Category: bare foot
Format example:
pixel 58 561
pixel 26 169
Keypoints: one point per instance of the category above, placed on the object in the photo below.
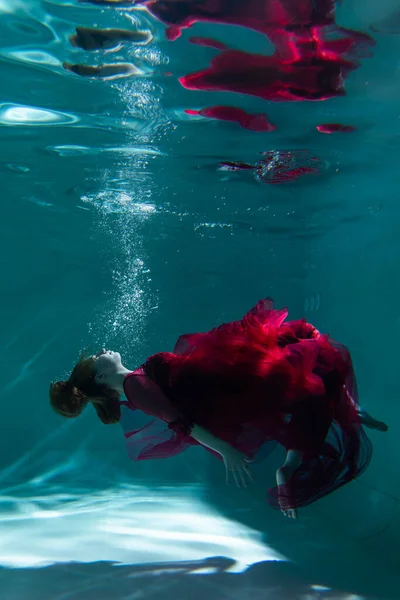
pixel 291 513
pixel 283 476
pixel 379 426
pixel 372 423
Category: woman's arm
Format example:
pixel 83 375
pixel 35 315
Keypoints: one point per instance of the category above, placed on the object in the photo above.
pixel 145 395
pixel 209 440
pixel 236 463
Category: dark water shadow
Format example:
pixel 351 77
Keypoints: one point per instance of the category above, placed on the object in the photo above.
pixel 323 553
pixel 194 580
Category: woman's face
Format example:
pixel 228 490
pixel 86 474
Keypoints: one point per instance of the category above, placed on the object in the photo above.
pixel 106 364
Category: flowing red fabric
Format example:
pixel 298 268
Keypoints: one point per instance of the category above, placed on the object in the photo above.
pixel 254 382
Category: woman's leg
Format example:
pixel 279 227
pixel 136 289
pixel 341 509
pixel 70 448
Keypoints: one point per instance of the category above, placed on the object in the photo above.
pixel 283 476
pixel 366 419
pixel 370 422
pixel 307 429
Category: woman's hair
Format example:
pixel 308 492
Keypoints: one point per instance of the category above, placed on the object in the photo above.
pixel 69 398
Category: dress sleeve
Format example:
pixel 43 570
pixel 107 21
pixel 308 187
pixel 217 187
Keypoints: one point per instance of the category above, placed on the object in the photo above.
pixel 145 395
pixel 165 434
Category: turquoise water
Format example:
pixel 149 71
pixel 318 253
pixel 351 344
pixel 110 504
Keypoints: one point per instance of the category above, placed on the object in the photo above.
pixel 118 229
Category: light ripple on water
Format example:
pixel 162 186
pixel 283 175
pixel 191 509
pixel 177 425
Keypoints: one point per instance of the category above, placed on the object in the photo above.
pixel 130 524
pixel 19 114
pixel 72 150
pixel 33 56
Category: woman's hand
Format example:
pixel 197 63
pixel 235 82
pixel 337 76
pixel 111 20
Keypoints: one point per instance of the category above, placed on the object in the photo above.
pixel 236 465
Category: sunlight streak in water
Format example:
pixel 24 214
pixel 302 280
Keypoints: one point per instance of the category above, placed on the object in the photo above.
pixel 130 525
pixel 10 6
pixel 14 114
pixel 27 369
pixel 74 150
pixel 38 57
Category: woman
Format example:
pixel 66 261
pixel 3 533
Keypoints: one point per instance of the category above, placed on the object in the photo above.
pixel 234 389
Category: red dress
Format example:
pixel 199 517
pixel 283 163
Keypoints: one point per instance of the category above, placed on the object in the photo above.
pixel 253 382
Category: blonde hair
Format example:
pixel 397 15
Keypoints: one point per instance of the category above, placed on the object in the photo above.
pixel 69 398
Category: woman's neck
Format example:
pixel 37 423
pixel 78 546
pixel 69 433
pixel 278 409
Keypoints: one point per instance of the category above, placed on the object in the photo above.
pixel 116 381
